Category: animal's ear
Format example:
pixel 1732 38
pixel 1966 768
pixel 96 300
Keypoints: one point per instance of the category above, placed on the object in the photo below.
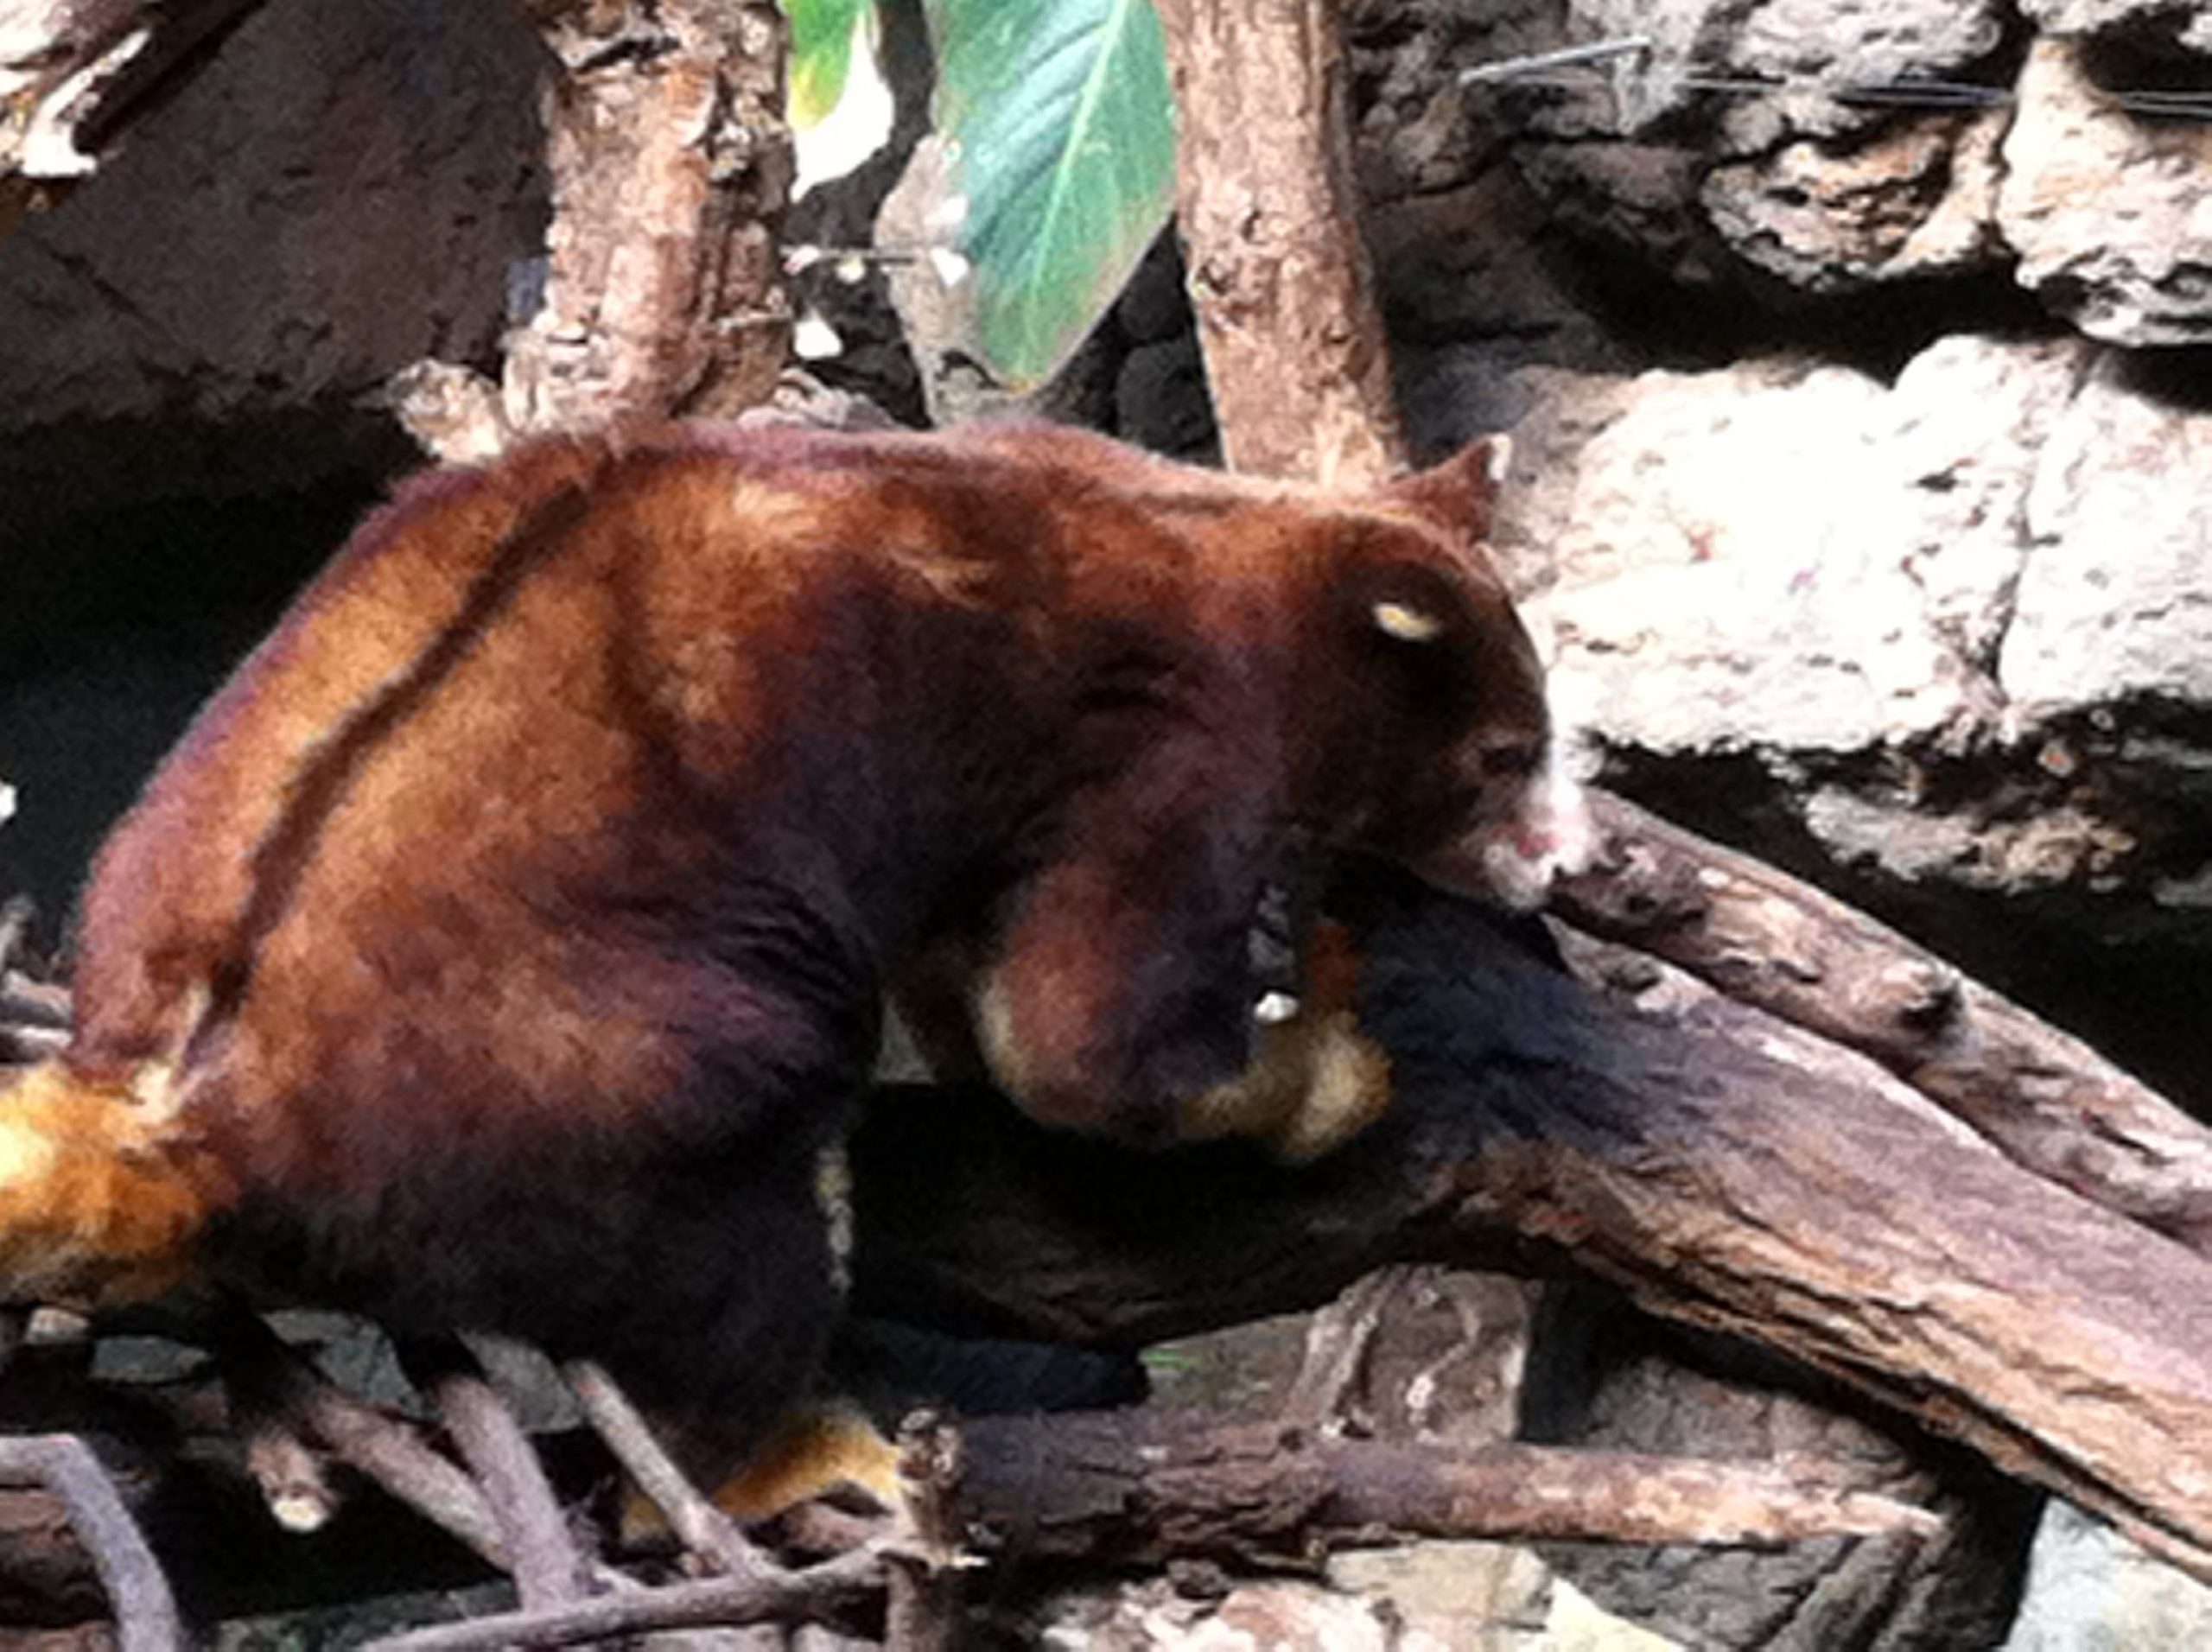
pixel 1405 602
pixel 1457 495
pixel 1406 622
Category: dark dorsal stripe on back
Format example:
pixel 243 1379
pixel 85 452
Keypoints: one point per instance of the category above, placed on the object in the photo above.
pixel 281 858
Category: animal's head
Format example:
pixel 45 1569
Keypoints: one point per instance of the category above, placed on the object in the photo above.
pixel 1426 736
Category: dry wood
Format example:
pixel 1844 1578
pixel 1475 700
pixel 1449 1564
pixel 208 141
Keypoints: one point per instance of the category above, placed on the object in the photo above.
pixel 671 166
pixel 73 74
pixel 1142 1487
pixel 18 915
pixel 26 1002
pixel 1279 279
pixel 834 1591
pixel 145 1612
pixel 1765 939
pixel 272 1385
pixel 547 1568
pixel 292 1476
pixel 1831 1214
pixel 698 1525
pixel 922 1567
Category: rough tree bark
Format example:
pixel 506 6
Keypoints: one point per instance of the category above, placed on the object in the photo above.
pixel 2044 1099
pixel 663 290
pixel 1279 278
pixel 671 167
pixel 1724 1170
pixel 1150 1489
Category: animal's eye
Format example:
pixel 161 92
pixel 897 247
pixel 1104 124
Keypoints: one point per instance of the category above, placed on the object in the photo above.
pixel 1515 762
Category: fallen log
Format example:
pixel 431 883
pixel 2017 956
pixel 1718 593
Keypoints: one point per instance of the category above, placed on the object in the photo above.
pixel 1142 1487
pixel 1827 1211
pixel 1765 939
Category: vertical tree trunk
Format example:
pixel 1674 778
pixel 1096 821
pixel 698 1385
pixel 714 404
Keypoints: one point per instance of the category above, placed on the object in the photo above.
pixel 671 167
pixel 1284 292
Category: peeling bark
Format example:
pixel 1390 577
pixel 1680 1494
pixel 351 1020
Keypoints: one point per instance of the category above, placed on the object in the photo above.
pixel 671 166
pixel 1828 1212
pixel 1281 284
pixel 1142 1488
pixel 1764 938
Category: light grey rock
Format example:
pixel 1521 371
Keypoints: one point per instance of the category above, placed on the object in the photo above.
pixel 1801 559
pixel 1418 1597
pixel 1961 624
pixel 1825 192
pixel 2187 26
pixel 1861 39
pixel 2090 1588
pixel 1917 198
pixel 1248 1617
pixel 2115 598
pixel 2107 211
pixel 1725 572
pixel 1972 415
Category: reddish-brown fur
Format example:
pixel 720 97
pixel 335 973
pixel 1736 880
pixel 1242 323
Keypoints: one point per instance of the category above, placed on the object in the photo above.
pixel 510 931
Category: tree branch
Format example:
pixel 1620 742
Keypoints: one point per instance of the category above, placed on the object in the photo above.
pixel 1828 1212
pixel 547 1568
pixel 1764 938
pixel 1142 1487
pixel 698 1525
pixel 1280 282
pixel 268 1380
pixel 145 1612
pixel 833 1592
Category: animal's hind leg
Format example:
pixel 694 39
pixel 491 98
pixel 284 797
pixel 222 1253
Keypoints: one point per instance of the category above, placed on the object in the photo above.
pixel 722 1357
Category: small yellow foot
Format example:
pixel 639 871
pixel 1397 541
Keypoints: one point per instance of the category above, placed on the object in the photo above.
pixel 817 1449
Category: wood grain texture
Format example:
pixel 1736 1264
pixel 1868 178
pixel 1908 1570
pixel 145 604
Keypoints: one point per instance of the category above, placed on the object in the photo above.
pixel 1282 287
pixel 1834 1215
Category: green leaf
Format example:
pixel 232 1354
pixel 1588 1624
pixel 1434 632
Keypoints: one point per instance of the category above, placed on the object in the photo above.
pixel 821 54
pixel 1064 130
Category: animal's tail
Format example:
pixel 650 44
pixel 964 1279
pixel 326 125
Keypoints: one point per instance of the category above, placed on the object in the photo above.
pixel 102 1200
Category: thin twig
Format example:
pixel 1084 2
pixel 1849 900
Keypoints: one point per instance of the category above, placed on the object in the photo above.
pixel 290 1475
pixel 829 1592
pixel 696 1522
pixel 547 1568
pixel 32 1002
pixel 922 1584
pixel 270 1380
pixel 24 1045
pixel 18 913
pixel 145 1611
